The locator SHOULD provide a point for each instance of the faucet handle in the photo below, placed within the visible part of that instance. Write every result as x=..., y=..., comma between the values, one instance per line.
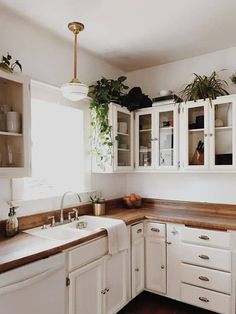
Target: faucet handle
x=52, y=221
x=75, y=210
x=69, y=216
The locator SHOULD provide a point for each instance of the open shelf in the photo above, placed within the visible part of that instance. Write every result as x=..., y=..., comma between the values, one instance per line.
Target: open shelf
x=145, y=130
x=123, y=149
x=196, y=130
x=167, y=128
x=10, y=133
x=222, y=128
x=166, y=149
x=123, y=134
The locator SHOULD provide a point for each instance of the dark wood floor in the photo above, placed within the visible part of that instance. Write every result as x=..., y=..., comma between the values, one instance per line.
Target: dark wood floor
x=149, y=303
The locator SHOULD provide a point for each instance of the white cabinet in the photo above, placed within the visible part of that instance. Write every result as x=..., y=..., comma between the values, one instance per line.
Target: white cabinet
x=86, y=288
x=119, y=156
x=156, y=133
x=116, y=281
x=208, y=134
x=101, y=285
x=137, y=259
x=155, y=259
x=15, y=149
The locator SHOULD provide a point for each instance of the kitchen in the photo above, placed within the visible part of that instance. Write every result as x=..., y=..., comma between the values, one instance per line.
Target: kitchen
x=184, y=199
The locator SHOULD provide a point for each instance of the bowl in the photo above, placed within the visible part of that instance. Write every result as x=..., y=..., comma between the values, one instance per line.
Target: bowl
x=165, y=92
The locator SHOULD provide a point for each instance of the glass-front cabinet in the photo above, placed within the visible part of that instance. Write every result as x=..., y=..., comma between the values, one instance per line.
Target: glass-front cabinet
x=123, y=134
x=156, y=133
x=222, y=133
x=195, y=135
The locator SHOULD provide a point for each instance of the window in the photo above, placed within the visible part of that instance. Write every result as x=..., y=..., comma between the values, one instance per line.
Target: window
x=58, y=145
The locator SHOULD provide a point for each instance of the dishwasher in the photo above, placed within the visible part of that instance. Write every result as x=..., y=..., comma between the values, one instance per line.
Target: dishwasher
x=36, y=288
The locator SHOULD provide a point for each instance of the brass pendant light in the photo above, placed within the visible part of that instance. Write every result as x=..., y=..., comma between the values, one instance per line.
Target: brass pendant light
x=75, y=90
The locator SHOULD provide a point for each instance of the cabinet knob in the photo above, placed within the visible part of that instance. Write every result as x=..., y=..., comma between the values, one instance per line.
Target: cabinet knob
x=203, y=299
x=107, y=289
x=174, y=232
x=204, y=237
x=202, y=256
x=205, y=134
x=167, y=242
x=203, y=278
x=162, y=266
x=103, y=291
x=139, y=230
x=137, y=269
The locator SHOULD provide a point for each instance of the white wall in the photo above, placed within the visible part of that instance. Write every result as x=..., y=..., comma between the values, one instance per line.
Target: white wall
x=193, y=187
x=48, y=58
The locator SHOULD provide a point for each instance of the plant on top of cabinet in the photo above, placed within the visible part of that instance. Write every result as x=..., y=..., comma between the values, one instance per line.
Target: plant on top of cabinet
x=102, y=93
x=204, y=87
x=233, y=78
x=6, y=65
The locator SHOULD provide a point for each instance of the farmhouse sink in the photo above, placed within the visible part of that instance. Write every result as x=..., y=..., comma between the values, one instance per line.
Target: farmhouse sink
x=78, y=229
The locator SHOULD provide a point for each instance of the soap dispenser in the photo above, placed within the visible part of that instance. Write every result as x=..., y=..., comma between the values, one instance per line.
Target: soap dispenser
x=12, y=223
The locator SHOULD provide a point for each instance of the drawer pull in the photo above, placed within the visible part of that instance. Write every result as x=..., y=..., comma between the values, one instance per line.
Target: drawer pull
x=203, y=299
x=139, y=230
x=204, y=237
x=203, y=278
x=137, y=269
x=204, y=256
x=155, y=229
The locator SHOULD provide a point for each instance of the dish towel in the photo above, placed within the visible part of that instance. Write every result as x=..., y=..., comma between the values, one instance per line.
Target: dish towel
x=118, y=238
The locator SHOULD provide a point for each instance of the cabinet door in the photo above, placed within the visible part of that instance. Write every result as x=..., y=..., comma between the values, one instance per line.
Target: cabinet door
x=196, y=142
x=144, y=140
x=222, y=133
x=173, y=260
x=137, y=266
x=123, y=135
x=167, y=134
x=85, y=290
x=116, y=281
x=155, y=264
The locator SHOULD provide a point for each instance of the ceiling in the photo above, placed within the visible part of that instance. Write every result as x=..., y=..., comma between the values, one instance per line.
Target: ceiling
x=134, y=34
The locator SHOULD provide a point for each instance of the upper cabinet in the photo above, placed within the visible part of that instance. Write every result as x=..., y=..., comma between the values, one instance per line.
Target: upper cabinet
x=156, y=133
x=14, y=125
x=119, y=156
x=208, y=133
x=191, y=136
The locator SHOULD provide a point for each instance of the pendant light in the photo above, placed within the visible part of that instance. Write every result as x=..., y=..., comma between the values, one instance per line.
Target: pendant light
x=74, y=90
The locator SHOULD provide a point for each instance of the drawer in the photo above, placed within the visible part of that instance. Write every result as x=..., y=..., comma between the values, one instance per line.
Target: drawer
x=210, y=300
x=87, y=253
x=156, y=229
x=205, y=256
x=206, y=278
x=137, y=231
x=212, y=238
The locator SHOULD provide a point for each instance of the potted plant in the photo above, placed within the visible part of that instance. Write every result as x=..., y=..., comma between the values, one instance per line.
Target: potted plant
x=204, y=87
x=98, y=205
x=102, y=93
x=6, y=65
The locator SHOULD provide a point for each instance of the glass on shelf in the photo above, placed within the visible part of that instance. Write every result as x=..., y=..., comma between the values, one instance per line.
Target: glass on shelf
x=196, y=136
x=166, y=138
x=145, y=143
x=223, y=134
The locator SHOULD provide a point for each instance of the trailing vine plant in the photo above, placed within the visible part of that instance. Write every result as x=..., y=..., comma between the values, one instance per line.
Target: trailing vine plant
x=102, y=93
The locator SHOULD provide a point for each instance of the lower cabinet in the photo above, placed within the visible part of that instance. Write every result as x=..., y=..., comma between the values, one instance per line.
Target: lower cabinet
x=99, y=287
x=155, y=249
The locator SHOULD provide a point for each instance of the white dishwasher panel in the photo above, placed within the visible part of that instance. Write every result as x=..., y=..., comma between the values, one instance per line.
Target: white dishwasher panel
x=37, y=288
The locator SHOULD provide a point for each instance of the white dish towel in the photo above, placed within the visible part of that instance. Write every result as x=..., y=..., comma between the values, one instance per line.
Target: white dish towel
x=118, y=239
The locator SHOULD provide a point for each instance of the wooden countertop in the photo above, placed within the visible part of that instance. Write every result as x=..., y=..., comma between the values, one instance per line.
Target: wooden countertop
x=25, y=248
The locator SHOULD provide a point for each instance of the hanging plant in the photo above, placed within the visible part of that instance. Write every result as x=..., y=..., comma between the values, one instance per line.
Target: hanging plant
x=102, y=93
x=6, y=65
x=204, y=87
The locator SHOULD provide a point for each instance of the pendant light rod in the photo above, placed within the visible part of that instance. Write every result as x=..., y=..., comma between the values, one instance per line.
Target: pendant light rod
x=75, y=27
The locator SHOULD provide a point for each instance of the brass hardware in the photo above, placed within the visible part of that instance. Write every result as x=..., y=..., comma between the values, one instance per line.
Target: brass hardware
x=162, y=266
x=75, y=27
x=155, y=229
x=139, y=230
x=67, y=281
x=103, y=291
x=204, y=256
x=137, y=269
x=203, y=278
x=203, y=299
x=107, y=290
x=168, y=242
x=52, y=221
x=204, y=237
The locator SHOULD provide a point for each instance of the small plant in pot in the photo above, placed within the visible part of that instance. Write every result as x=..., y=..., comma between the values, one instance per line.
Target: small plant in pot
x=204, y=87
x=99, y=205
